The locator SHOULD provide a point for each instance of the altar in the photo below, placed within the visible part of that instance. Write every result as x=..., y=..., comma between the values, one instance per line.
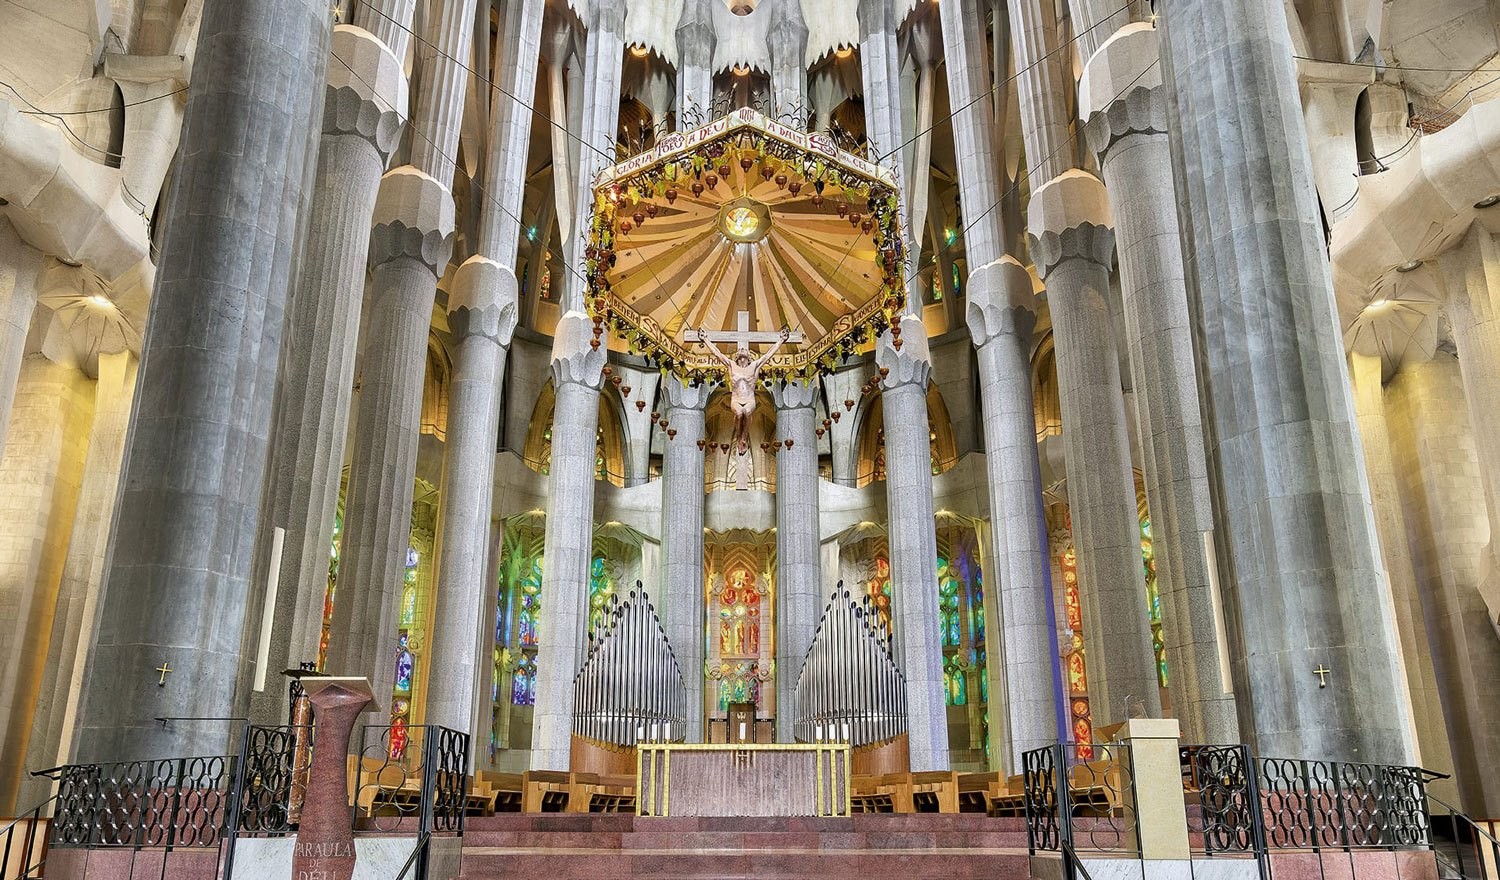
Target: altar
x=743, y=779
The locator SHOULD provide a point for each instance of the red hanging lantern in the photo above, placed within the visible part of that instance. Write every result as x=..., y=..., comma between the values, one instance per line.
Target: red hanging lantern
x=794, y=187
x=712, y=180
x=639, y=217
x=697, y=189
x=843, y=210
x=671, y=195
x=640, y=405
x=781, y=180
x=652, y=208
x=625, y=227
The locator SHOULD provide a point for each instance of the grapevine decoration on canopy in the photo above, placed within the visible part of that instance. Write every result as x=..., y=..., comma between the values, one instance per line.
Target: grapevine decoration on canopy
x=712, y=188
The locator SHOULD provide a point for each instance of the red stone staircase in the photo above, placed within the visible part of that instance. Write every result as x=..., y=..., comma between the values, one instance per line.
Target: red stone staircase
x=574, y=846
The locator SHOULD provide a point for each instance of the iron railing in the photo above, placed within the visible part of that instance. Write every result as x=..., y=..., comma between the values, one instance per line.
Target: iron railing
x=1080, y=799
x=1318, y=805
x=418, y=776
x=168, y=803
x=23, y=850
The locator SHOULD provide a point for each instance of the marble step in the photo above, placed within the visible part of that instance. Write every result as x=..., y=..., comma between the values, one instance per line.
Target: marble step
x=624, y=822
x=495, y=863
x=747, y=840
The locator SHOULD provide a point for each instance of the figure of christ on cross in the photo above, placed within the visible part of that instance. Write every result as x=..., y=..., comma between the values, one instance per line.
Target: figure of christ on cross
x=742, y=369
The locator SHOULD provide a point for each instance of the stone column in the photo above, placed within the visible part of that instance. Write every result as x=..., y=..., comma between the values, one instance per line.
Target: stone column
x=682, y=592
x=181, y=554
x=1025, y=681
x=388, y=21
x=577, y=373
x=482, y=308
x=481, y=317
x=1391, y=526
x=19, y=265
x=913, y=539
x=1472, y=286
x=75, y=620
x=363, y=112
x=787, y=40
x=1121, y=98
x=569, y=545
x=1072, y=242
x=442, y=78
x=1441, y=482
x=409, y=246
x=1042, y=88
x=1293, y=514
x=799, y=569
x=695, y=56
x=40, y=477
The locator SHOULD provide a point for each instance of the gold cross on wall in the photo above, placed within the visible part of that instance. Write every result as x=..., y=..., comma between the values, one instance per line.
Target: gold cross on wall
x=1322, y=673
x=164, y=668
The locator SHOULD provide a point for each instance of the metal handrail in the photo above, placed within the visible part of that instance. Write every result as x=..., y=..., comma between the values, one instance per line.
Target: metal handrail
x=1073, y=863
x=31, y=818
x=417, y=861
x=1474, y=827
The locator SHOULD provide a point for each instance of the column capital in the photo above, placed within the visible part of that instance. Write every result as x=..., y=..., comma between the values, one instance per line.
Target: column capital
x=1001, y=301
x=575, y=360
x=911, y=364
x=795, y=395
x=366, y=90
x=685, y=395
x=1120, y=93
x=1070, y=218
x=413, y=219
x=483, y=301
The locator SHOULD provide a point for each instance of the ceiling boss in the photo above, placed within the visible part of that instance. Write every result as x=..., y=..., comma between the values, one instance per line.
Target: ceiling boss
x=745, y=217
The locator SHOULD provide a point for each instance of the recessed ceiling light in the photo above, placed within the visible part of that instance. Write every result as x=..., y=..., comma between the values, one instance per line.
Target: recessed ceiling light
x=66, y=262
x=1409, y=266
x=1377, y=304
x=101, y=301
x=1488, y=201
x=843, y=52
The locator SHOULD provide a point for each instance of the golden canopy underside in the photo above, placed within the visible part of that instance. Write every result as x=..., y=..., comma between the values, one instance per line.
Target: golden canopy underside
x=811, y=269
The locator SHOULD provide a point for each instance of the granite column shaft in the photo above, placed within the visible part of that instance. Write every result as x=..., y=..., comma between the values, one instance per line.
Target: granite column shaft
x=482, y=310
x=1072, y=243
x=364, y=106
x=799, y=563
x=1001, y=318
x=682, y=499
x=189, y=511
x=1293, y=507
x=1122, y=99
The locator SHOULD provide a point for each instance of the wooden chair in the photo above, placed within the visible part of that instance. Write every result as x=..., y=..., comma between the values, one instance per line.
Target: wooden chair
x=973, y=791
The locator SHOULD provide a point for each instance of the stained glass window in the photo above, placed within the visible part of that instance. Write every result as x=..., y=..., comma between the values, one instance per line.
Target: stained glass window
x=601, y=591
x=955, y=683
x=739, y=682
x=739, y=614
x=1153, y=599
x=333, y=576
x=406, y=659
x=949, y=619
x=879, y=588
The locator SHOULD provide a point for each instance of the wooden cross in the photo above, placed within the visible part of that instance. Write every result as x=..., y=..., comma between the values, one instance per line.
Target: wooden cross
x=164, y=668
x=742, y=336
x=1322, y=673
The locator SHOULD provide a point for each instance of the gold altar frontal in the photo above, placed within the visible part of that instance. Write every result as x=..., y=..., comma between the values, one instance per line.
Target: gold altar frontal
x=743, y=779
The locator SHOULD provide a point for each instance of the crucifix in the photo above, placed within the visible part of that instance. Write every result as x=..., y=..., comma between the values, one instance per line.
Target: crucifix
x=164, y=668
x=1322, y=673
x=742, y=369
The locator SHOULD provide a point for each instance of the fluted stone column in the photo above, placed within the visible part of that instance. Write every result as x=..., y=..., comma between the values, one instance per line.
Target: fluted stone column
x=19, y=265
x=913, y=540
x=1072, y=242
x=799, y=564
x=409, y=246
x=363, y=110
x=388, y=21
x=482, y=311
x=1121, y=98
x=75, y=618
x=1042, y=87
x=1472, y=286
x=1001, y=319
x=481, y=317
x=1391, y=525
x=1026, y=702
x=41, y=475
x=182, y=548
x=682, y=592
x=787, y=40
x=1293, y=515
x=1442, y=490
x=443, y=78
x=695, y=60
x=569, y=544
